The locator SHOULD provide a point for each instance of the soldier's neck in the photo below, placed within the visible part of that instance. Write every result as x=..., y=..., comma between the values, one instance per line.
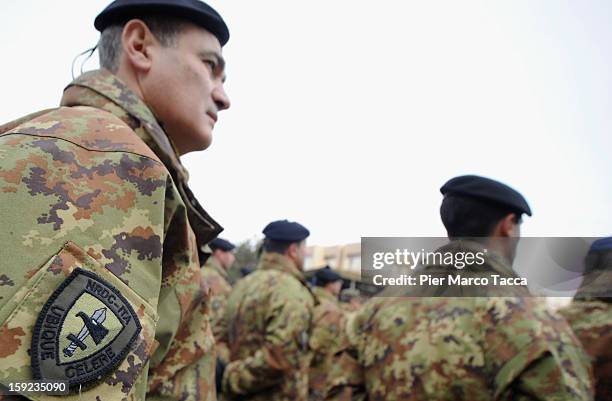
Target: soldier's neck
x=128, y=77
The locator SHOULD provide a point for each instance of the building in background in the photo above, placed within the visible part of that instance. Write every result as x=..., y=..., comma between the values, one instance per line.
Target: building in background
x=343, y=258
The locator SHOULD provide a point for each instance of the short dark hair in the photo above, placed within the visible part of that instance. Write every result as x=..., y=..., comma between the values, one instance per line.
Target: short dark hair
x=273, y=246
x=598, y=261
x=471, y=217
x=164, y=28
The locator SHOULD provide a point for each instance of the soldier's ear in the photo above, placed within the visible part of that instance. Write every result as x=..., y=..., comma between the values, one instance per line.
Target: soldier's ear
x=137, y=42
x=507, y=226
x=292, y=250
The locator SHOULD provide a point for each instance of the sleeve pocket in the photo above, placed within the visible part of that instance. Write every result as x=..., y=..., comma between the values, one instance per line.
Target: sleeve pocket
x=74, y=320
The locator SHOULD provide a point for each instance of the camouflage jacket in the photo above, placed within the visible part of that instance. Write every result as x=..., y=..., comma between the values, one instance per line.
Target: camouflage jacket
x=96, y=185
x=216, y=277
x=268, y=316
x=591, y=320
x=325, y=340
x=470, y=348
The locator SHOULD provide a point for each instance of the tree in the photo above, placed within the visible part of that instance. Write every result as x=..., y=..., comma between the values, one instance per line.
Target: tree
x=246, y=258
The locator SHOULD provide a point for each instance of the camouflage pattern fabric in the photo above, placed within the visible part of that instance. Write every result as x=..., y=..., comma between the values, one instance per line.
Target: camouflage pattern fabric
x=268, y=316
x=96, y=184
x=216, y=277
x=591, y=320
x=472, y=348
x=328, y=325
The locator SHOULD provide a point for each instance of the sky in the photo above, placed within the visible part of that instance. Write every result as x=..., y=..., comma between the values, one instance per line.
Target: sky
x=348, y=116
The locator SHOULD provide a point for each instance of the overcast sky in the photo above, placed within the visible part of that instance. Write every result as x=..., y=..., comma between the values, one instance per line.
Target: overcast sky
x=348, y=116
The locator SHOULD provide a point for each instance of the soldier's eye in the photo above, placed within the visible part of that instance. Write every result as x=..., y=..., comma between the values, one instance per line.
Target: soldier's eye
x=211, y=64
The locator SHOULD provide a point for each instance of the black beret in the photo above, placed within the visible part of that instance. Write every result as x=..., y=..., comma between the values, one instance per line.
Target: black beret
x=194, y=11
x=326, y=275
x=486, y=189
x=602, y=245
x=220, y=243
x=286, y=231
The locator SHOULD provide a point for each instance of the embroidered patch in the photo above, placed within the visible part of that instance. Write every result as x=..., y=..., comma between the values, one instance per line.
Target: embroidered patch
x=83, y=332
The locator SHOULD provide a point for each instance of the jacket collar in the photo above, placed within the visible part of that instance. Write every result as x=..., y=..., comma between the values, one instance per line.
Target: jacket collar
x=103, y=90
x=213, y=264
x=321, y=294
x=492, y=260
x=276, y=261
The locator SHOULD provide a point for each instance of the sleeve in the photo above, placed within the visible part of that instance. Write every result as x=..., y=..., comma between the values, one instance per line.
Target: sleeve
x=184, y=362
x=288, y=321
x=538, y=355
x=549, y=378
x=346, y=376
x=218, y=302
x=327, y=332
x=72, y=209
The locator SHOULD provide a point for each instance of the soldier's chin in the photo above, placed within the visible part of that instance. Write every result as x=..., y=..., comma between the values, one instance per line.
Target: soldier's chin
x=204, y=138
x=197, y=141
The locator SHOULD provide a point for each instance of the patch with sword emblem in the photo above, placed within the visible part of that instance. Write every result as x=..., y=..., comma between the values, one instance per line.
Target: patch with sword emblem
x=83, y=332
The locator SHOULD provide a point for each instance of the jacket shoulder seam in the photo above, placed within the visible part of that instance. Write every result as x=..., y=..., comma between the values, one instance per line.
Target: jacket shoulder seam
x=85, y=147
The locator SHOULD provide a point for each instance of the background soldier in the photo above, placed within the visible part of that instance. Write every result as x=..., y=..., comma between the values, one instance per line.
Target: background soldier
x=93, y=193
x=480, y=348
x=327, y=330
x=590, y=315
x=350, y=300
x=268, y=315
x=327, y=285
x=214, y=274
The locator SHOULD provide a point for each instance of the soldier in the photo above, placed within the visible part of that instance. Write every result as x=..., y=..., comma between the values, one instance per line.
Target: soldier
x=327, y=285
x=590, y=315
x=350, y=299
x=268, y=316
x=100, y=286
x=470, y=348
x=327, y=330
x=214, y=274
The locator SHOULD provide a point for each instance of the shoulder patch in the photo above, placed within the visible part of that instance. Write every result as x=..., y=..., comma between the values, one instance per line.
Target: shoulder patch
x=83, y=331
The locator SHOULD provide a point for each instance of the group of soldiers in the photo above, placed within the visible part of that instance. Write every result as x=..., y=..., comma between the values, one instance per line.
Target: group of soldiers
x=114, y=281
x=288, y=339
x=275, y=333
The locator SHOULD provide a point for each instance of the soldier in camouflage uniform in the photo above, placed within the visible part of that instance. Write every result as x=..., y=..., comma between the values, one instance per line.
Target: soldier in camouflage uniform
x=590, y=315
x=100, y=282
x=268, y=316
x=469, y=348
x=327, y=330
x=350, y=300
x=214, y=274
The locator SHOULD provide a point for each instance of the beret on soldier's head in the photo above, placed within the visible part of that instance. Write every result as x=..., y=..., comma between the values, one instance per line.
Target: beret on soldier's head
x=486, y=189
x=220, y=243
x=602, y=245
x=194, y=11
x=327, y=275
x=286, y=231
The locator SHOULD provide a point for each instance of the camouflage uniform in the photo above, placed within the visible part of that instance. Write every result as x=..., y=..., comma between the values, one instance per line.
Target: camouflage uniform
x=346, y=298
x=216, y=277
x=591, y=320
x=96, y=184
x=325, y=340
x=472, y=348
x=269, y=314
